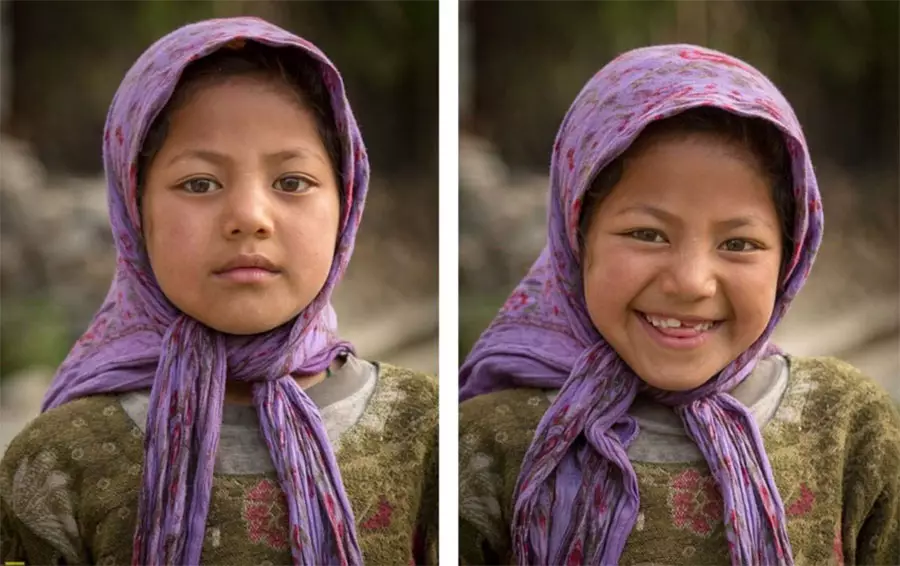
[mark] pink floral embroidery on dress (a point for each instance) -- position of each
(803, 504)
(695, 502)
(265, 513)
(838, 547)
(381, 518)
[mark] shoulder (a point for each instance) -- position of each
(95, 418)
(840, 396)
(501, 422)
(495, 431)
(842, 388)
(416, 386)
(503, 406)
(63, 444)
(43, 473)
(79, 431)
(405, 400)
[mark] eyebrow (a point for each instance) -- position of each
(730, 224)
(221, 158)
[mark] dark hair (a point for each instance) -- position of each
(762, 138)
(292, 67)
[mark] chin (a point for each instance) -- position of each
(243, 329)
(675, 383)
(244, 325)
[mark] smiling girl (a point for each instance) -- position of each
(211, 413)
(626, 406)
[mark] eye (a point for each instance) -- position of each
(200, 186)
(646, 235)
(292, 184)
(739, 245)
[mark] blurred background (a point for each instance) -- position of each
(61, 63)
(523, 63)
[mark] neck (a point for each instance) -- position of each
(241, 392)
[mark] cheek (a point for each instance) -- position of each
(176, 237)
(310, 234)
(752, 293)
(613, 278)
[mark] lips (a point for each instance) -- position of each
(248, 269)
(248, 262)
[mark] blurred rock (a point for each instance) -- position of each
(501, 218)
(20, 401)
(20, 174)
(55, 234)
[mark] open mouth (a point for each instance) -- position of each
(678, 333)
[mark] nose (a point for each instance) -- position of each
(690, 274)
(248, 211)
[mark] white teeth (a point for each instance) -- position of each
(675, 323)
(663, 322)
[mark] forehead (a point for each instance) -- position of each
(239, 106)
(237, 90)
(693, 174)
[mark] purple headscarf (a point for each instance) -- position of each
(543, 336)
(139, 340)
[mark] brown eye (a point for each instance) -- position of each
(200, 186)
(292, 184)
(738, 245)
(647, 236)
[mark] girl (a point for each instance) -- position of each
(211, 413)
(626, 406)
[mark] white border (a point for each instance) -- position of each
(448, 340)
